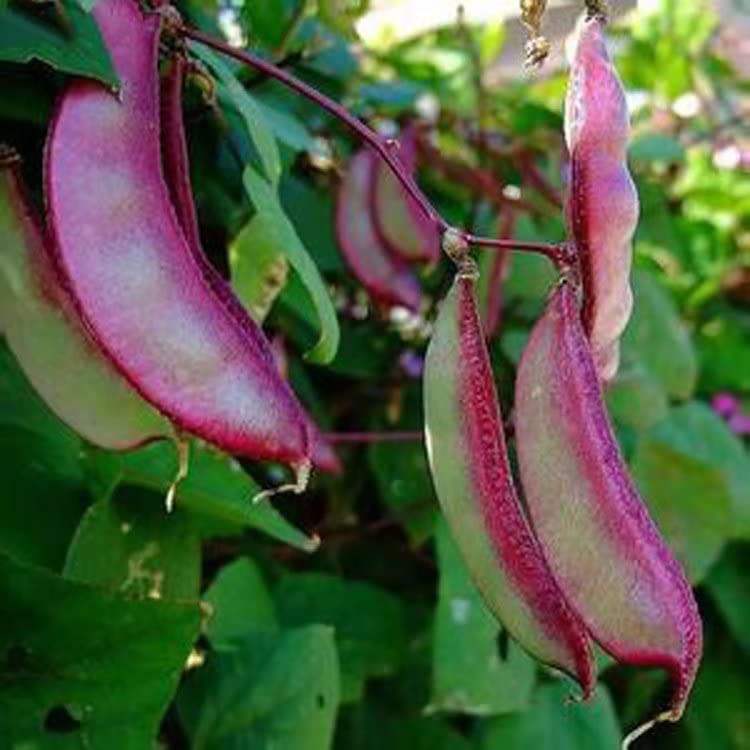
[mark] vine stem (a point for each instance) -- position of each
(386, 148)
(373, 437)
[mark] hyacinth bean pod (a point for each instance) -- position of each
(133, 276)
(51, 346)
(177, 175)
(602, 203)
(400, 223)
(469, 465)
(387, 278)
(603, 548)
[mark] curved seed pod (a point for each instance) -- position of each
(44, 333)
(602, 203)
(387, 278)
(469, 464)
(400, 223)
(135, 280)
(177, 175)
(604, 550)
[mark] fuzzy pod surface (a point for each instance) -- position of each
(48, 340)
(604, 550)
(602, 203)
(133, 276)
(472, 477)
(176, 164)
(400, 223)
(387, 278)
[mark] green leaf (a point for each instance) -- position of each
(65, 645)
(267, 21)
(216, 489)
(77, 48)
(42, 488)
(404, 484)
(283, 235)
(695, 430)
(275, 690)
(239, 602)
(552, 722)
(368, 623)
(365, 727)
(259, 266)
(130, 544)
(636, 398)
(650, 147)
(469, 673)
(717, 717)
(657, 337)
(257, 127)
(690, 476)
(729, 585)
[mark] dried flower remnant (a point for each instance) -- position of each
(537, 47)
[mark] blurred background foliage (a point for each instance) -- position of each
(376, 638)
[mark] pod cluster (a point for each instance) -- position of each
(579, 560)
(143, 335)
(381, 231)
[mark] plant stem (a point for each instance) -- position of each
(386, 148)
(373, 437)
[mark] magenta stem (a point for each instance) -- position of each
(372, 437)
(386, 148)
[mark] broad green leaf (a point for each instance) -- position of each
(404, 483)
(216, 489)
(553, 722)
(130, 544)
(717, 717)
(636, 398)
(267, 21)
(239, 602)
(282, 234)
(696, 431)
(724, 347)
(76, 48)
(729, 585)
(366, 727)
(367, 621)
(257, 127)
(42, 486)
(688, 486)
(470, 675)
(650, 147)
(66, 646)
(657, 337)
(42, 496)
(259, 266)
(274, 690)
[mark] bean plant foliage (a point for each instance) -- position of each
(344, 617)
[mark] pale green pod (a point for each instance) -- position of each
(472, 477)
(46, 336)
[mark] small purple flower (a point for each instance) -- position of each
(725, 404)
(411, 363)
(739, 423)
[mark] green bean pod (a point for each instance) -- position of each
(473, 481)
